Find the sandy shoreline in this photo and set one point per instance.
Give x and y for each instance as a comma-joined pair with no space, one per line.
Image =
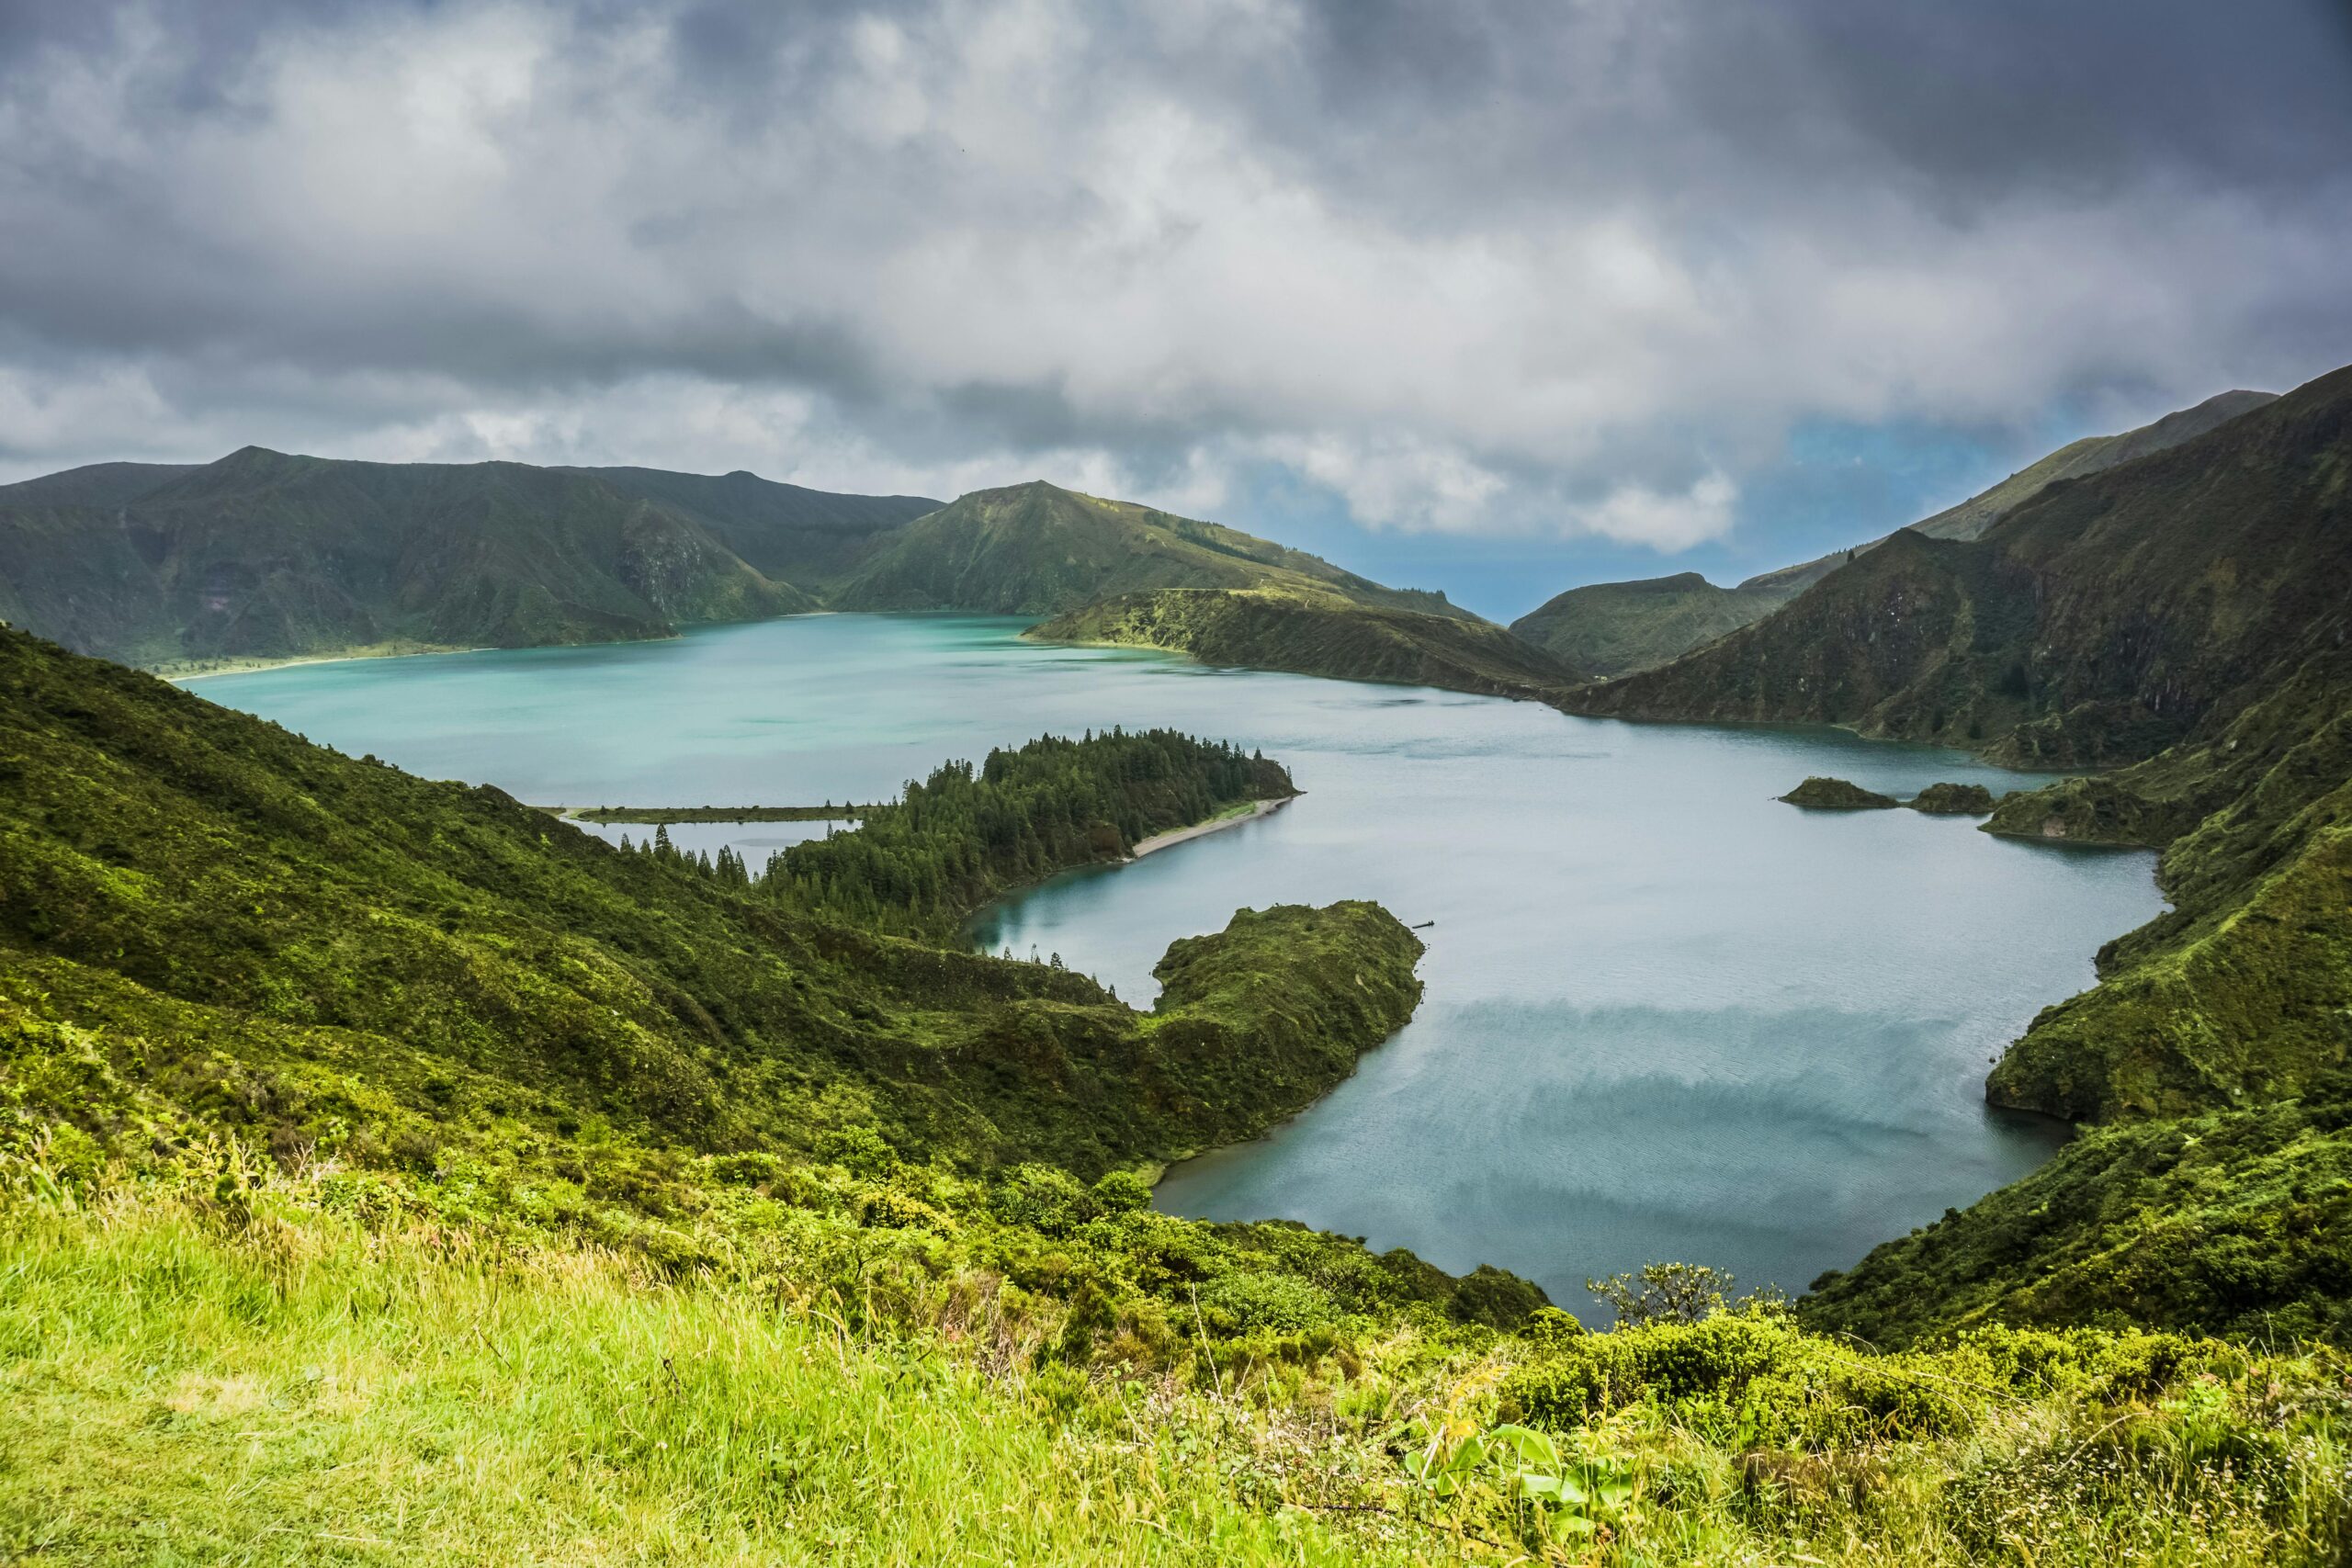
260,665
1163,840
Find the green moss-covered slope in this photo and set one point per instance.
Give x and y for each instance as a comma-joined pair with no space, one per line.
2241,991
2231,1221
1313,632
249,906
811,539
2188,613
2100,623
1037,549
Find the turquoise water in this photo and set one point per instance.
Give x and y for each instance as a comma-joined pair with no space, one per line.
1667,1016
752,840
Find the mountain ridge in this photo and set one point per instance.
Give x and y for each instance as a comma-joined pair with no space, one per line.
1615,629
264,554
1037,548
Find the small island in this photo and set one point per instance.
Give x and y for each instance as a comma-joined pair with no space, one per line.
1819,793
1955,800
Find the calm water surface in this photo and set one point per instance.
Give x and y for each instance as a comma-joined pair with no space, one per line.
1667,1016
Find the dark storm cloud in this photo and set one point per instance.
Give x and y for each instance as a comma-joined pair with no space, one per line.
1578,265
1957,106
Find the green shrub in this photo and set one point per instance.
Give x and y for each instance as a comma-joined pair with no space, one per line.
1041,1198
1121,1191
860,1150
1748,1380
1498,1300
1243,1302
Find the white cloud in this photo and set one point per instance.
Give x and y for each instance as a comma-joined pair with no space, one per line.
1635,514
969,240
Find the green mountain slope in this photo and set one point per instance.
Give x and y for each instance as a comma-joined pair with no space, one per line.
1318,633
1613,629
1037,549
811,539
252,904
1609,628
2105,620
2233,1221
2188,613
262,554
2091,455
99,484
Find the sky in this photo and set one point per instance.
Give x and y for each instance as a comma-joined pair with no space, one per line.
1497,298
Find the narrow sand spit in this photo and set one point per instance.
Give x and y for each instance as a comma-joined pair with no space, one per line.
1214,825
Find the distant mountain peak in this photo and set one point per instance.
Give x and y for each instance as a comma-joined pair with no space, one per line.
1618,627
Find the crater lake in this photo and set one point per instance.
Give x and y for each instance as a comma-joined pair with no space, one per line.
1667,1016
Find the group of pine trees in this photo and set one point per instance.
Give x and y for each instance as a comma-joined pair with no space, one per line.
965,834
726,865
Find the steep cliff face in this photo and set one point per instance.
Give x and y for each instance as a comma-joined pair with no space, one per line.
1913,639
688,576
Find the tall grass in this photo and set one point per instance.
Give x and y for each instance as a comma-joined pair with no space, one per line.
192,1384
312,1395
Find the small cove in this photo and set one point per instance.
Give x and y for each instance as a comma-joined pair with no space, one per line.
1667,1016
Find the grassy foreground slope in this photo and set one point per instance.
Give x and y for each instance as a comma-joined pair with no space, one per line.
1037,549
197,1379
1318,633
1615,629
320,1396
